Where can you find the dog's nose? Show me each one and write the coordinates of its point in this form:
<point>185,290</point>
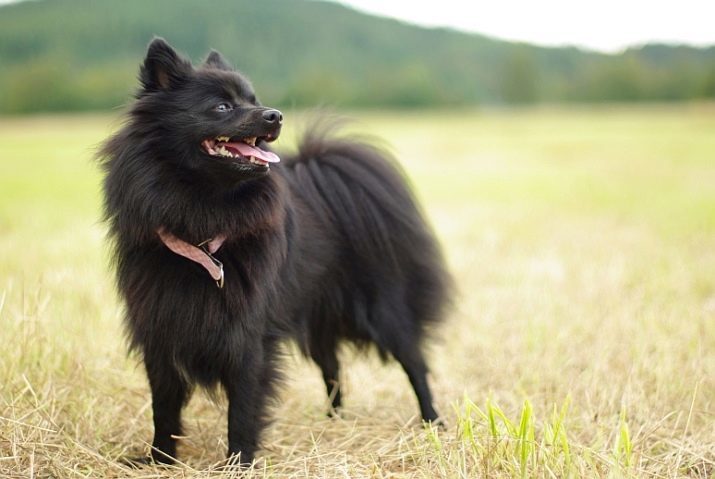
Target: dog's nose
<point>272,116</point>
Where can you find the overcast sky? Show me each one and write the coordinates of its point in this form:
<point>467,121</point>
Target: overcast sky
<point>605,25</point>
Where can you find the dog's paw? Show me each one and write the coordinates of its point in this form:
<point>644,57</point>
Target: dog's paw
<point>236,461</point>
<point>441,424</point>
<point>438,423</point>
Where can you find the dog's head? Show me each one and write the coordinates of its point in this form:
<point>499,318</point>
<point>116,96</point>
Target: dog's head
<point>206,118</point>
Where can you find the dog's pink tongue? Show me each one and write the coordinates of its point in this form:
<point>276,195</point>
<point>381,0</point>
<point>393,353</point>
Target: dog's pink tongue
<point>247,150</point>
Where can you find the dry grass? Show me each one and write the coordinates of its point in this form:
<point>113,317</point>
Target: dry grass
<point>583,344</point>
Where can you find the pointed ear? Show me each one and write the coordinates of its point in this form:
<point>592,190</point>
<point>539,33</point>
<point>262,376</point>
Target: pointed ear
<point>216,60</point>
<point>163,68</point>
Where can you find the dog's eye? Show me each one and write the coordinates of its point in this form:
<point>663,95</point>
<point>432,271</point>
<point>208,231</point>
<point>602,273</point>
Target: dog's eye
<point>224,107</point>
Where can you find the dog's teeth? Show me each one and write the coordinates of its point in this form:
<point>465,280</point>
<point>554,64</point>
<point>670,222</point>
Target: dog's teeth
<point>224,152</point>
<point>257,161</point>
<point>250,141</point>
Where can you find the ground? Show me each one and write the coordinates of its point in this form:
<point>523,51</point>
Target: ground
<point>582,343</point>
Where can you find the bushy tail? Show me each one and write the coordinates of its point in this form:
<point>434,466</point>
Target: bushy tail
<point>362,192</point>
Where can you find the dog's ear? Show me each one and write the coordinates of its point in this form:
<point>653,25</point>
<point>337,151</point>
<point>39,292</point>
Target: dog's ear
<point>163,68</point>
<point>216,60</point>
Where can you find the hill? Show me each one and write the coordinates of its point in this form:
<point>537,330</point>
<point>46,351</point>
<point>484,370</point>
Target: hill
<point>84,54</point>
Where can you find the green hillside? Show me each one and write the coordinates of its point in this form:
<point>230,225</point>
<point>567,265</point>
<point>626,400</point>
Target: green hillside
<point>83,54</point>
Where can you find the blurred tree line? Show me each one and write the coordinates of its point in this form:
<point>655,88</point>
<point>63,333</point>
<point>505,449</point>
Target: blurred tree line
<point>60,55</point>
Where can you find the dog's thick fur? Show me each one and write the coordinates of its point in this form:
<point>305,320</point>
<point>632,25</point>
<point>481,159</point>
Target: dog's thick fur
<point>327,246</point>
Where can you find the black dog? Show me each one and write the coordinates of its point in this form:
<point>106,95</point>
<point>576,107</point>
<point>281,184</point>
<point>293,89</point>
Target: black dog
<point>222,252</point>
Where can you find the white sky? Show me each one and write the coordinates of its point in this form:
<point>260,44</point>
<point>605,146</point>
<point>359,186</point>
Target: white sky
<point>605,25</point>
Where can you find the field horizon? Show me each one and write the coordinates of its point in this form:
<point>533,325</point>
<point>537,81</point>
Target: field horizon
<point>582,343</point>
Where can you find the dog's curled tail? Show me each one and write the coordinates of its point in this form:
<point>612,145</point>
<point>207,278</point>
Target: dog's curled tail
<point>359,187</point>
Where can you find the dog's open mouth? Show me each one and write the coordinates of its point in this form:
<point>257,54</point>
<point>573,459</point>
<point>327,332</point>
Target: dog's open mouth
<point>243,150</point>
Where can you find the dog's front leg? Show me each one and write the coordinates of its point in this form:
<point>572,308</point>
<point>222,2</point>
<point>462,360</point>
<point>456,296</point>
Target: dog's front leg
<point>169,393</point>
<point>245,407</point>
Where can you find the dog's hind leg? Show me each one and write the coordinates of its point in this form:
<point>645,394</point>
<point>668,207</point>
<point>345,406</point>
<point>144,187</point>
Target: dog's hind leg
<point>398,333</point>
<point>326,358</point>
<point>169,393</point>
<point>412,361</point>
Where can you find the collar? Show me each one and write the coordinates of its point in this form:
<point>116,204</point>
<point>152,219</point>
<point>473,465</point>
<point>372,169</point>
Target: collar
<point>201,253</point>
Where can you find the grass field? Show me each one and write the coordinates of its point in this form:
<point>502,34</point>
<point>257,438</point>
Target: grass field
<point>582,343</point>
